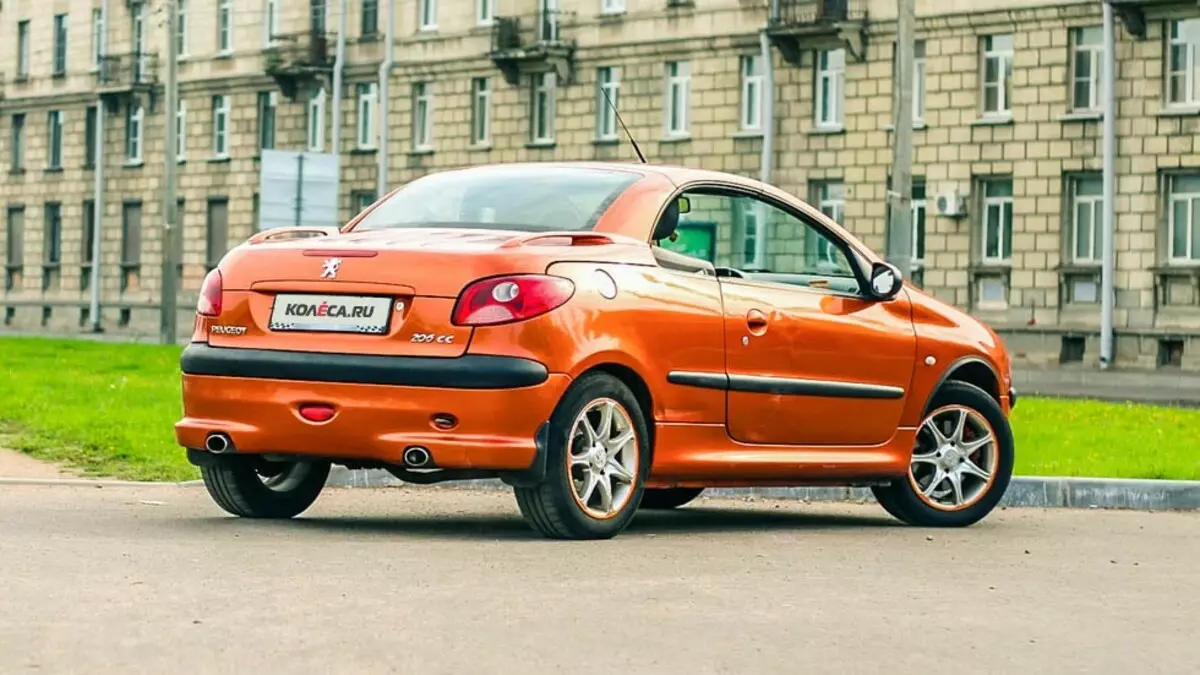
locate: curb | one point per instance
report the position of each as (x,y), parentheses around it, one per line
(100,483)
(1023,491)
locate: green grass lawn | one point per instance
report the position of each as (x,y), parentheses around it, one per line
(109,409)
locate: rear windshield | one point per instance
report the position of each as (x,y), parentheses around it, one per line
(527,198)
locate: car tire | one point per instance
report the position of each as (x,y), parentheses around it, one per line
(962,462)
(570,502)
(656,499)
(244,486)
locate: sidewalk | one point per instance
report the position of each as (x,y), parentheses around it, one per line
(1167,388)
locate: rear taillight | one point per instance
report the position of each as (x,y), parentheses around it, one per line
(209,303)
(508,299)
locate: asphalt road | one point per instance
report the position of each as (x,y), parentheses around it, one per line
(429,580)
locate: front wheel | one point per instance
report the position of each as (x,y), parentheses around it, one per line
(596,463)
(254,488)
(961,465)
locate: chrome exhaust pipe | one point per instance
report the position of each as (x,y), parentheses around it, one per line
(416,456)
(218,443)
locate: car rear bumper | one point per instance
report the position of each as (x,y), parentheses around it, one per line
(255,400)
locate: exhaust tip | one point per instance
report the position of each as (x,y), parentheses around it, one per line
(218,443)
(416,456)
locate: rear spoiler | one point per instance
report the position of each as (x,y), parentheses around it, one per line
(302,232)
(565,238)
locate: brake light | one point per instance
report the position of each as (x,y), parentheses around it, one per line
(498,300)
(209,303)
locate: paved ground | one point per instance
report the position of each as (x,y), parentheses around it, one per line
(16,465)
(427,580)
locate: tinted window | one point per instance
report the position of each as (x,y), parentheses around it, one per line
(527,198)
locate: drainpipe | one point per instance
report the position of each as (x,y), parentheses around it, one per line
(98,178)
(1107,291)
(385,74)
(339,61)
(768,139)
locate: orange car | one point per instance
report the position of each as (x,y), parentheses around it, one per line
(601,337)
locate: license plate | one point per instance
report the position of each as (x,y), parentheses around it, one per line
(331,314)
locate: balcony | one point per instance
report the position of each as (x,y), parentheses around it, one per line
(1132,13)
(298,60)
(123,76)
(816,25)
(533,44)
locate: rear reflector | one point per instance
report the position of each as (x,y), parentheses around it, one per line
(317,412)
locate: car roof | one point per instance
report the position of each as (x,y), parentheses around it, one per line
(674,173)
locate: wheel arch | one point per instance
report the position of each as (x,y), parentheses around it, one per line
(972,370)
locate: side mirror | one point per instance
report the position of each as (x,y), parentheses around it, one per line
(886,281)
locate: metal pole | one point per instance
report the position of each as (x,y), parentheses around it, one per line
(98,178)
(338,67)
(385,74)
(900,233)
(170,265)
(1107,291)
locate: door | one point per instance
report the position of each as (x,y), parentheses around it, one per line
(810,360)
(139,43)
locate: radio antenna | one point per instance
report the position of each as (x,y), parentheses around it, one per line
(622,123)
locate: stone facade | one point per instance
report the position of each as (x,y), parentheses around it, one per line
(1023,154)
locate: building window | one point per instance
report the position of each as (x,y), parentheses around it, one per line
(51,245)
(612,6)
(14,258)
(54,124)
(919,212)
(370,18)
(422,137)
(270,22)
(1184,72)
(752,92)
(23,49)
(481,111)
(541,118)
(316,121)
(224,26)
(428,14)
(831,82)
(267,103)
(1087,218)
(318,17)
(608,94)
(220,126)
(1183,203)
(131,244)
(60,45)
(17,145)
(216,232)
(89,240)
(997,225)
(134,118)
(1087,85)
(831,200)
(367,98)
(997,74)
(678,96)
(181,28)
(89,137)
(918,82)
(180,130)
(485,12)
(97,36)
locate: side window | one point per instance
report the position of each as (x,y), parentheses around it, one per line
(762,241)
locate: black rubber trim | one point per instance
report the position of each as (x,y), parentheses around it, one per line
(1012,398)
(951,369)
(472,371)
(785,385)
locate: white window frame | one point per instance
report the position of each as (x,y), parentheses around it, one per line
(366,130)
(1003,57)
(1092,52)
(485,12)
(268,113)
(831,89)
(677,96)
(315,124)
(1003,204)
(23,39)
(919,80)
(606,119)
(1189,71)
(544,90)
(54,139)
(224,26)
(1094,205)
(612,6)
(751,68)
(135,127)
(831,201)
(481,111)
(97,37)
(138,29)
(220,126)
(180,130)
(62,40)
(181,29)
(422,117)
(270,22)
(427,15)
(1191,202)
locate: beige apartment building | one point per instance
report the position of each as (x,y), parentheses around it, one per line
(1007,107)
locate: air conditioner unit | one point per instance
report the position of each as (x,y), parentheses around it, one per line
(951,203)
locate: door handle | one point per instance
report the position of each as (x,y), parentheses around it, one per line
(756,321)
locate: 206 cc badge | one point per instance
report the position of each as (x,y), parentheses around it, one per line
(331,268)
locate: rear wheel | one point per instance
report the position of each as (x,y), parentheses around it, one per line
(668,498)
(596,463)
(254,488)
(961,464)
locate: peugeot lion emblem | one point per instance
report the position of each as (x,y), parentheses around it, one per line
(331,268)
